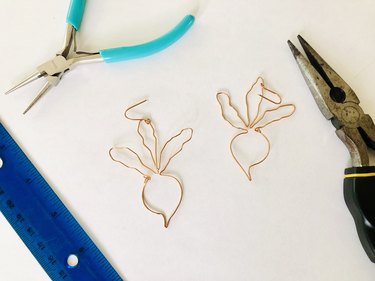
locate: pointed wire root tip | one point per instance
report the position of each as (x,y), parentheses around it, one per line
(166,224)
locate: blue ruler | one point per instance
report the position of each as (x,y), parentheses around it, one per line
(42,221)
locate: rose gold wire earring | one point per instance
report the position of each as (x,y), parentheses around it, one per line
(159,163)
(257,122)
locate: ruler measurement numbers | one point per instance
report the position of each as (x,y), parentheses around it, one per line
(44,224)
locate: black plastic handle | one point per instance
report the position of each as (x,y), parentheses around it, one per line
(359,193)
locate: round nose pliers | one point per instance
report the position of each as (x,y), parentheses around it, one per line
(69,56)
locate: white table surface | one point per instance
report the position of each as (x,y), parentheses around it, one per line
(290,223)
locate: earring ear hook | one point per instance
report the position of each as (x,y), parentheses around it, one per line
(132,107)
(270,91)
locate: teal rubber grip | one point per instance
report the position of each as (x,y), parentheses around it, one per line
(149,48)
(75,13)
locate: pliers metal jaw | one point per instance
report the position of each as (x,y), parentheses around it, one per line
(338,103)
(53,70)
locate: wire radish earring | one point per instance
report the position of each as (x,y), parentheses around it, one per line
(156,162)
(256,122)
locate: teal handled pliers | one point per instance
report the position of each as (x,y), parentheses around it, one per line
(64,60)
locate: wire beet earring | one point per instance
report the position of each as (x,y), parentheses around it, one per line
(265,107)
(156,163)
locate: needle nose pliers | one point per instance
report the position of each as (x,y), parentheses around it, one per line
(54,70)
(338,103)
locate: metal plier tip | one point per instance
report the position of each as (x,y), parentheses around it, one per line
(337,102)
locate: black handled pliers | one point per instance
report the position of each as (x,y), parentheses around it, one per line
(338,103)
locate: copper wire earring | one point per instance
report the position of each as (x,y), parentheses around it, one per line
(232,115)
(157,164)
